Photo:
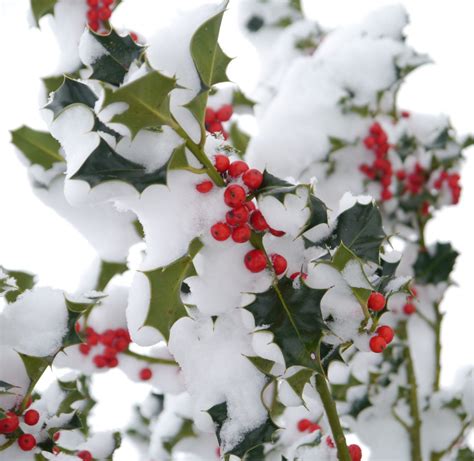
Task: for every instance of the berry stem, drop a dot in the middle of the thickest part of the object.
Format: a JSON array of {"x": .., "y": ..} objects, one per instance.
[
  {"x": 333, "y": 418},
  {"x": 200, "y": 155},
  {"x": 148, "y": 359},
  {"x": 7, "y": 444},
  {"x": 437, "y": 330}
]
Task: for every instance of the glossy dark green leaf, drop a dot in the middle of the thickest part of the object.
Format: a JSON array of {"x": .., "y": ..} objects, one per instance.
[
  {"x": 104, "y": 164},
  {"x": 166, "y": 306},
  {"x": 23, "y": 281},
  {"x": 39, "y": 147},
  {"x": 251, "y": 439},
  {"x": 294, "y": 318},
  {"x": 120, "y": 53},
  {"x": 435, "y": 265},
  {"x": 148, "y": 102}
]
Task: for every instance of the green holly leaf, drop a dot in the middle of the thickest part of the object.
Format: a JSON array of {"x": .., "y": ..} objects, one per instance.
[
  {"x": 71, "y": 92},
  {"x": 210, "y": 62},
  {"x": 465, "y": 454},
  {"x": 240, "y": 99},
  {"x": 23, "y": 281},
  {"x": 104, "y": 164},
  {"x": 294, "y": 317},
  {"x": 261, "y": 364},
  {"x": 240, "y": 139},
  {"x": 35, "y": 367},
  {"x": 360, "y": 229},
  {"x": 41, "y": 8},
  {"x": 435, "y": 264},
  {"x": 6, "y": 389},
  {"x": 166, "y": 306},
  {"x": 39, "y": 147},
  {"x": 148, "y": 100},
  {"x": 119, "y": 54},
  {"x": 185, "y": 431},
  {"x": 251, "y": 439},
  {"x": 107, "y": 271},
  {"x": 299, "y": 380}
]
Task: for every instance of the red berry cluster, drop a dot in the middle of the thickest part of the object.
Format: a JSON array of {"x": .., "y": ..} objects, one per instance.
[
  {"x": 380, "y": 341},
  {"x": 11, "y": 423},
  {"x": 99, "y": 11},
  {"x": 243, "y": 216},
  {"x": 305, "y": 425},
  {"x": 112, "y": 342},
  {"x": 453, "y": 183},
  {"x": 381, "y": 168},
  {"x": 414, "y": 181},
  {"x": 409, "y": 308},
  {"x": 214, "y": 119}
]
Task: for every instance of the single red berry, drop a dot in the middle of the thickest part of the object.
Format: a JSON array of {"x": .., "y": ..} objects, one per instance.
[
  {"x": 92, "y": 2},
  {"x": 277, "y": 233},
  {"x": 204, "y": 186},
  {"x": 92, "y": 15},
  {"x": 250, "y": 206},
  {"x": 84, "y": 349},
  {"x": 134, "y": 36},
  {"x": 376, "y": 129},
  {"x": 31, "y": 417},
  {"x": 112, "y": 362},
  {"x": 107, "y": 337},
  {"x": 369, "y": 142},
  {"x": 221, "y": 162},
  {"x": 314, "y": 427},
  {"x": 355, "y": 452},
  {"x": 401, "y": 175},
  {"x": 377, "y": 344},
  {"x": 9, "y": 424},
  {"x": 329, "y": 442},
  {"x": 376, "y": 301},
  {"x": 224, "y": 113},
  {"x": 109, "y": 352},
  {"x": 241, "y": 234},
  {"x": 214, "y": 127},
  {"x": 237, "y": 216},
  {"x": 107, "y": 2},
  {"x": 255, "y": 261},
  {"x": 386, "y": 195},
  {"x": 94, "y": 25},
  {"x": 56, "y": 436},
  {"x": 121, "y": 344},
  {"x": 56, "y": 450},
  {"x": 252, "y": 178},
  {"x": 304, "y": 424},
  {"x": 85, "y": 455},
  {"x": 237, "y": 168},
  {"x": 105, "y": 13},
  {"x": 26, "y": 442},
  {"x": 405, "y": 114},
  {"x": 221, "y": 231},
  {"x": 210, "y": 115},
  {"x": 258, "y": 222},
  {"x": 279, "y": 264},
  {"x": 386, "y": 333},
  {"x": 99, "y": 361},
  {"x": 409, "y": 308},
  {"x": 145, "y": 374},
  {"x": 234, "y": 195}
]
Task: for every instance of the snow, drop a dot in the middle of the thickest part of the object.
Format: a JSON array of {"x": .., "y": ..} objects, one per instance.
[
  {"x": 12, "y": 371},
  {"x": 35, "y": 323},
  {"x": 90, "y": 49}
]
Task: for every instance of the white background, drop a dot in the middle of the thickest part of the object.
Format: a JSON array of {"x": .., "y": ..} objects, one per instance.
[{"x": 32, "y": 236}]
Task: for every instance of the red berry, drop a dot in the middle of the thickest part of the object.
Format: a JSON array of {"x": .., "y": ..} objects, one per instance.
[
  {"x": 134, "y": 36},
  {"x": 386, "y": 195},
  {"x": 250, "y": 206},
  {"x": 377, "y": 344},
  {"x": 386, "y": 333},
  {"x": 56, "y": 450},
  {"x": 112, "y": 362},
  {"x": 369, "y": 142},
  {"x": 314, "y": 427},
  {"x": 92, "y": 15},
  {"x": 376, "y": 301},
  {"x": 277, "y": 233},
  {"x": 224, "y": 113},
  {"x": 221, "y": 162},
  {"x": 204, "y": 186},
  {"x": 405, "y": 114},
  {"x": 84, "y": 349},
  {"x": 255, "y": 261},
  {"x": 329, "y": 442},
  {"x": 252, "y": 178},
  {"x": 279, "y": 264},
  {"x": 304, "y": 424},
  {"x": 107, "y": 338},
  {"x": 214, "y": 127},
  {"x": 94, "y": 25},
  {"x": 376, "y": 129},
  {"x": 237, "y": 168},
  {"x": 99, "y": 361},
  {"x": 92, "y": 2},
  {"x": 109, "y": 352},
  {"x": 85, "y": 455},
  {"x": 121, "y": 344},
  {"x": 210, "y": 115},
  {"x": 241, "y": 234},
  {"x": 56, "y": 436},
  {"x": 237, "y": 216},
  {"x": 234, "y": 195},
  {"x": 221, "y": 231},
  {"x": 355, "y": 452},
  {"x": 257, "y": 221},
  {"x": 26, "y": 442},
  {"x": 107, "y": 2},
  {"x": 145, "y": 374},
  {"x": 105, "y": 13},
  {"x": 401, "y": 175},
  {"x": 31, "y": 417},
  {"x": 9, "y": 424},
  {"x": 409, "y": 308}
]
